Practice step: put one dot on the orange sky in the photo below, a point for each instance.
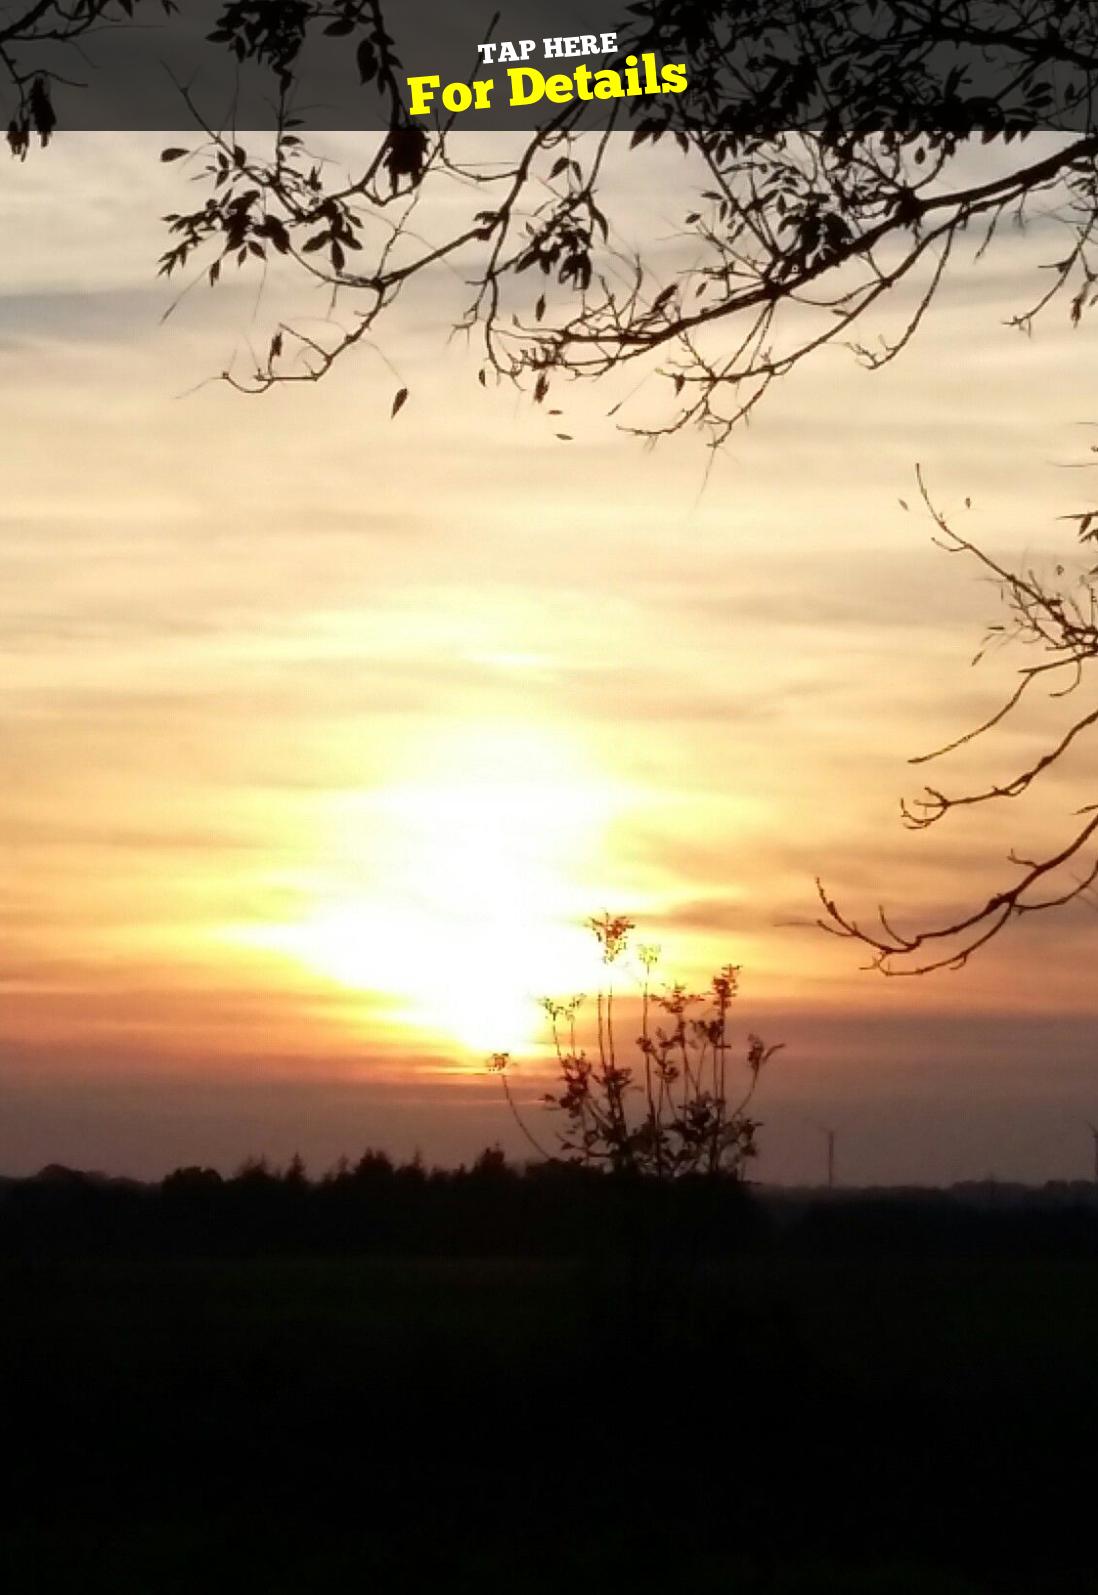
(322, 733)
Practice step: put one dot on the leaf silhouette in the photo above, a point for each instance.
(399, 402)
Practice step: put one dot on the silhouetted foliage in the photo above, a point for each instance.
(825, 147)
(493, 1208)
(33, 36)
(669, 1116)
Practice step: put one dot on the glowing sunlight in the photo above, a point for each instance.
(469, 882)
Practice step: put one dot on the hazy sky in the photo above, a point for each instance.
(322, 733)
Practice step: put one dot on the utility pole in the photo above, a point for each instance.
(831, 1156)
(831, 1137)
(1093, 1128)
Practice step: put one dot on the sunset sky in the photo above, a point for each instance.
(323, 732)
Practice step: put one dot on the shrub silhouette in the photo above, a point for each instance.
(673, 1112)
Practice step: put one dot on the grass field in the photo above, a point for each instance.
(769, 1425)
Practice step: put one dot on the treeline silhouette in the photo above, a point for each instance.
(492, 1208)
(373, 1206)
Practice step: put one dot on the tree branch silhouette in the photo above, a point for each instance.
(1061, 622)
(825, 159)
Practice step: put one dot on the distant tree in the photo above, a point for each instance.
(373, 1166)
(412, 1174)
(294, 1173)
(255, 1171)
(672, 1113)
(491, 1164)
(192, 1180)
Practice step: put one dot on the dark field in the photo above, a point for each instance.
(765, 1424)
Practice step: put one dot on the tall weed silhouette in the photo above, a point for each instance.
(672, 1108)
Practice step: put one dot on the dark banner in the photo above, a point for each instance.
(821, 65)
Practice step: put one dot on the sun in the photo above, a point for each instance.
(465, 882)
